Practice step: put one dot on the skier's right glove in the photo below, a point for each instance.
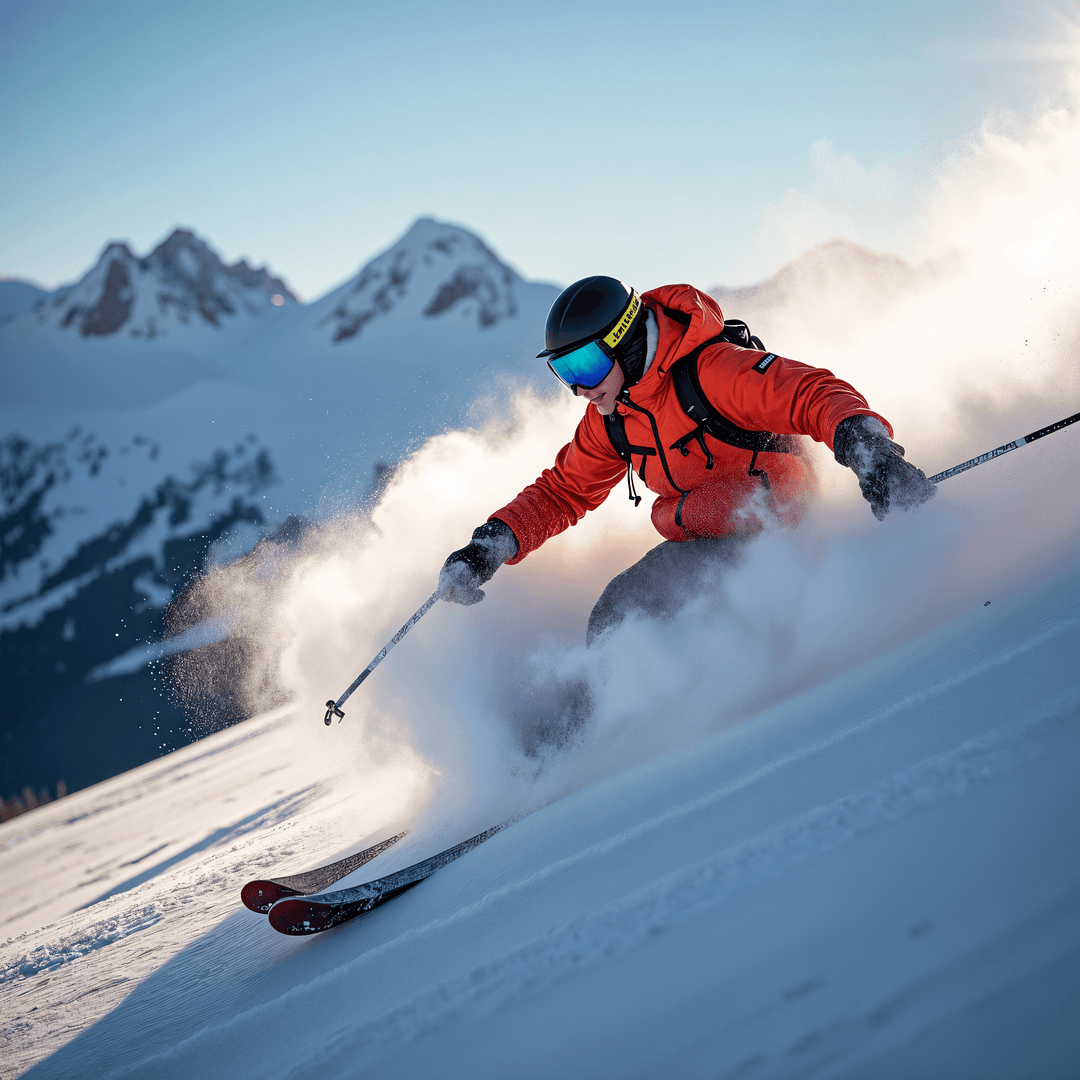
(862, 443)
(466, 569)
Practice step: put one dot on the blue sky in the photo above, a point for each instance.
(656, 142)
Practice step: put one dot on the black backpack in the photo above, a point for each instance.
(709, 420)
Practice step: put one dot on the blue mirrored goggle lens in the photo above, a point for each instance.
(585, 367)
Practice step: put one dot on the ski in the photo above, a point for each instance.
(260, 895)
(311, 914)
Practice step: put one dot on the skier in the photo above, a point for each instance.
(721, 456)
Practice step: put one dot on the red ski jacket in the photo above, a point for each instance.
(778, 395)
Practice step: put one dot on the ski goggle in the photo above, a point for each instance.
(590, 364)
(587, 366)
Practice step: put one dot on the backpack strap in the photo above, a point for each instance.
(616, 430)
(709, 419)
(696, 405)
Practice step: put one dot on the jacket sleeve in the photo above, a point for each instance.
(585, 471)
(778, 395)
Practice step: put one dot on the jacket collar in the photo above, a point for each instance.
(685, 318)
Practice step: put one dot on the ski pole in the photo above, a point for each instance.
(1015, 445)
(333, 708)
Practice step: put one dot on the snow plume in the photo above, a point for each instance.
(487, 711)
(306, 610)
(973, 339)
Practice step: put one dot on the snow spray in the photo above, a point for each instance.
(969, 337)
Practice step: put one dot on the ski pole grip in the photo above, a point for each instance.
(332, 710)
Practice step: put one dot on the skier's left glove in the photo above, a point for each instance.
(862, 443)
(466, 569)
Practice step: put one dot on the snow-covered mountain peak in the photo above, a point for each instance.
(434, 268)
(181, 282)
(17, 297)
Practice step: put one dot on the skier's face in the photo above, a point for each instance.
(604, 394)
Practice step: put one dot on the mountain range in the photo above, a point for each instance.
(166, 406)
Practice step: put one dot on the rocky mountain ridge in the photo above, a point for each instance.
(166, 407)
(438, 267)
(181, 282)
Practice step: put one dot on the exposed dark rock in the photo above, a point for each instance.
(472, 282)
(113, 308)
(350, 325)
(184, 278)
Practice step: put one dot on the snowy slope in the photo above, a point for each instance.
(877, 877)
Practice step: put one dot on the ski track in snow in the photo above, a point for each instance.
(620, 927)
(107, 931)
(623, 898)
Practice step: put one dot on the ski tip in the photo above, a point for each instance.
(294, 916)
(260, 896)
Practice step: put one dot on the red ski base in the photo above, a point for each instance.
(297, 915)
(260, 896)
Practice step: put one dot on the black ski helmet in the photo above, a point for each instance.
(587, 310)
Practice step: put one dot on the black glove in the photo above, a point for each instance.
(468, 568)
(886, 479)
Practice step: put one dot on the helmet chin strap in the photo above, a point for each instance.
(632, 353)
(636, 354)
